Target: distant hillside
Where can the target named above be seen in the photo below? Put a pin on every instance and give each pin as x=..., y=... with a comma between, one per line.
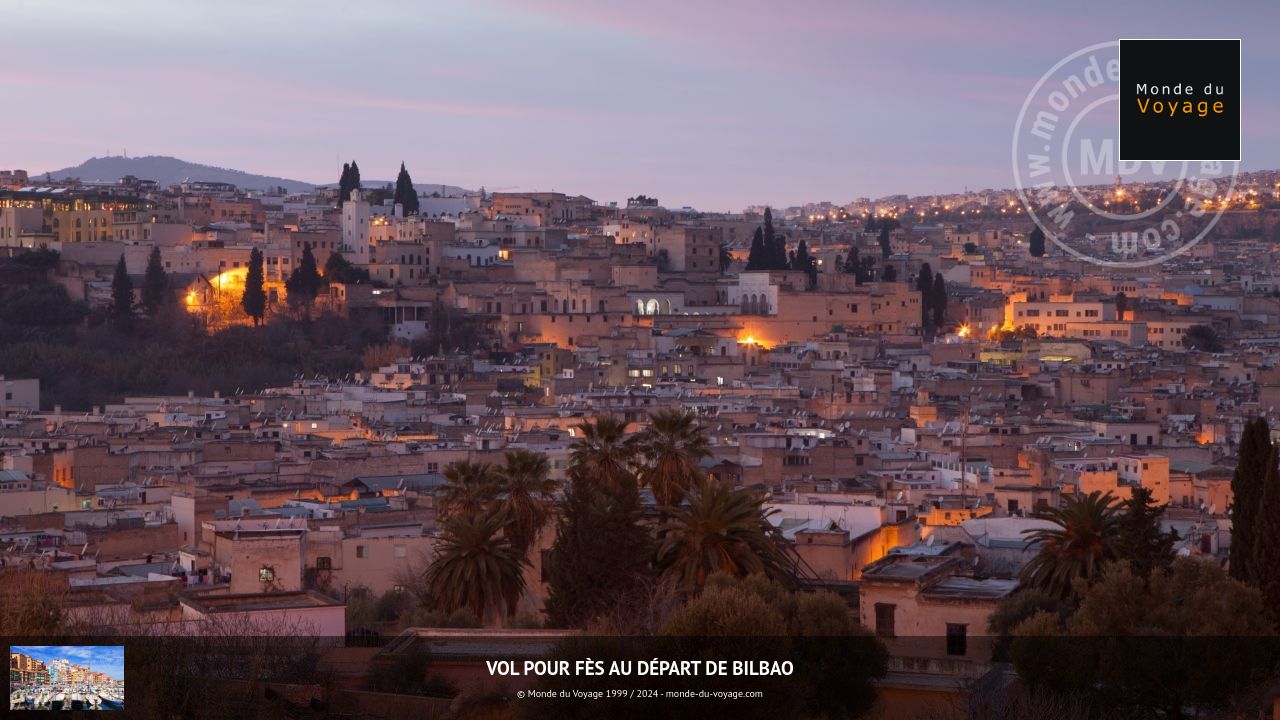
x=170, y=171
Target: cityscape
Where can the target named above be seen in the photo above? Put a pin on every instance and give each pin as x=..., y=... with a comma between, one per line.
x=42, y=678
x=580, y=398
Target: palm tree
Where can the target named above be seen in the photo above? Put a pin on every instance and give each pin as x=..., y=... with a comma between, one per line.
x=1083, y=541
x=671, y=447
x=476, y=566
x=602, y=454
x=469, y=488
x=526, y=495
x=720, y=529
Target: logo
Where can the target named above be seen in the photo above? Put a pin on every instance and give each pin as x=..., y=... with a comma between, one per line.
x=1087, y=200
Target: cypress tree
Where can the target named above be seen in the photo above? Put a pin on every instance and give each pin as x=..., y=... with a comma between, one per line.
x=355, y=176
x=254, y=300
x=939, y=300
x=889, y=274
x=1265, y=564
x=121, y=307
x=155, y=284
x=885, y=249
x=304, y=282
x=924, y=285
x=1246, y=488
x=405, y=195
x=601, y=555
x=1036, y=242
x=756, y=259
x=775, y=248
x=344, y=183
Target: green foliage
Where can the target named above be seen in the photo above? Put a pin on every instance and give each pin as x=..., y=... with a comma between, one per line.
x=1140, y=540
x=469, y=489
x=671, y=447
x=40, y=257
x=1203, y=338
x=768, y=249
x=602, y=555
x=1083, y=541
x=156, y=292
x=337, y=269
x=1189, y=637
x=526, y=496
x=938, y=300
x=169, y=354
x=720, y=529
x=1265, y=567
x=121, y=307
x=304, y=283
x=1246, y=488
x=476, y=567
x=406, y=196
x=885, y=248
x=1035, y=242
x=349, y=181
x=970, y=249
x=890, y=273
x=254, y=299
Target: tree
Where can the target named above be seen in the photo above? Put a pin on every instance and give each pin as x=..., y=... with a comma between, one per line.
x=1035, y=242
x=1203, y=338
x=406, y=196
x=924, y=285
x=756, y=258
x=889, y=274
x=775, y=246
x=1190, y=637
x=337, y=269
x=1266, y=541
x=469, y=488
x=885, y=248
x=721, y=529
x=970, y=249
x=121, y=307
x=254, y=300
x=304, y=283
x=1246, y=489
x=526, y=495
x=1122, y=302
x=602, y=554
x=671, y=448
x=938, y=299
x=602, y=455
x=1140, y=540
x=1083, y=541
x=155, y=284
x=476, y=567
x=349, y=181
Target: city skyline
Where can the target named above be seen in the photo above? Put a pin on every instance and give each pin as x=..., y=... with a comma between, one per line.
x=823, y=102
x=108, y=659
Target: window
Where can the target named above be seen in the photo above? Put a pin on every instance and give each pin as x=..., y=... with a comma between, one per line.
x=267, y=574
x=360, y=551
x=324, y=563
x=957, y=639
x=399, y=551
x=884, y=619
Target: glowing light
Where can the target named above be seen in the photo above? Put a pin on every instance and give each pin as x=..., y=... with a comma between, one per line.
x=964, y=331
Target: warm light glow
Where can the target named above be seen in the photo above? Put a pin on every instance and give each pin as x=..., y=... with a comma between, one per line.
x=964, y=331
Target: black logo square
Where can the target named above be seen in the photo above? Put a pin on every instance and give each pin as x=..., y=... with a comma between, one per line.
x=1180, y=100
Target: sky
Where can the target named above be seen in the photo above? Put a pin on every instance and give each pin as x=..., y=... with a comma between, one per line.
x=107, y=659
x=715, y=104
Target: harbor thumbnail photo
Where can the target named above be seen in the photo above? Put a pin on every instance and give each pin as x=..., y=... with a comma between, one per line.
x=66, y=677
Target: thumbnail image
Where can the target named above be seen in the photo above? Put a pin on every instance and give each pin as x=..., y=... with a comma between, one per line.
x=66, y=677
